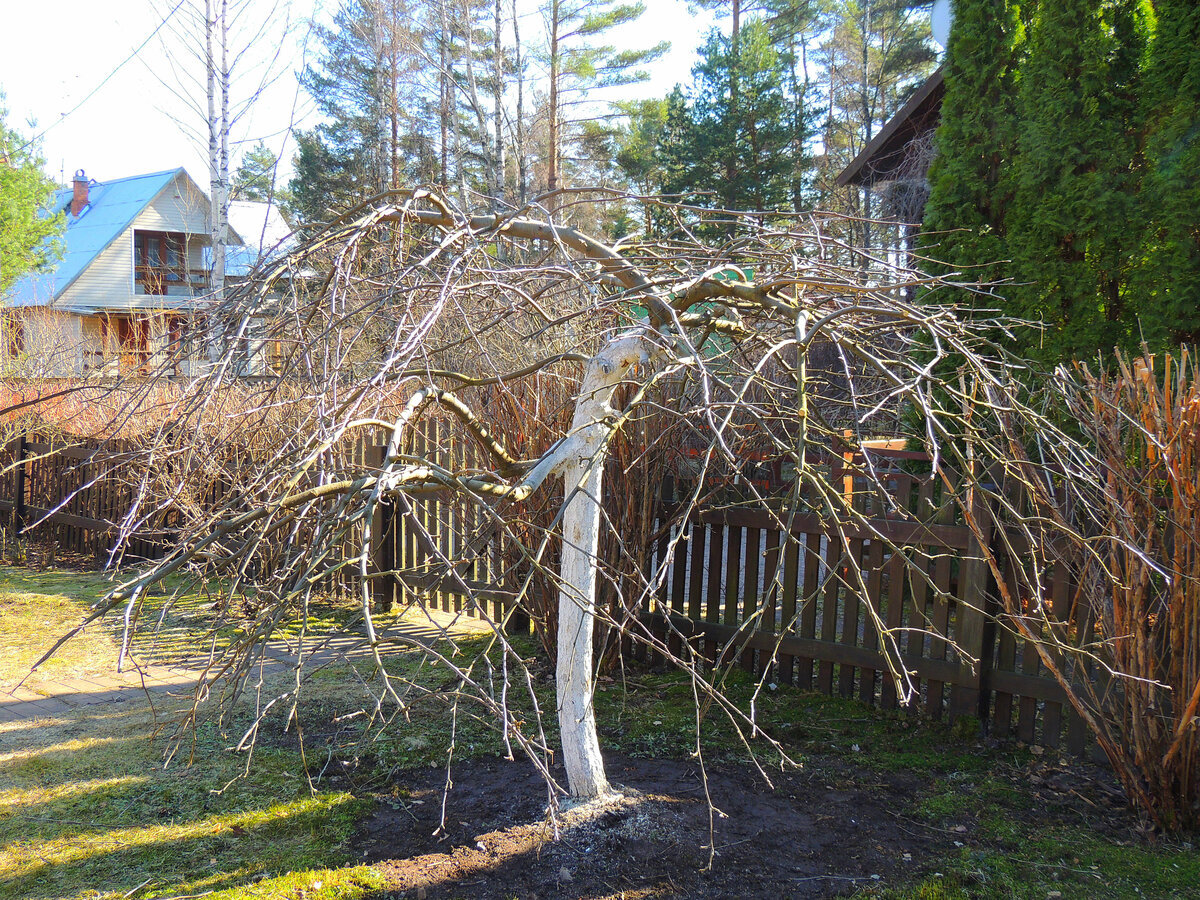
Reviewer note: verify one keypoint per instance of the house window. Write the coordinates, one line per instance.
(159, 261)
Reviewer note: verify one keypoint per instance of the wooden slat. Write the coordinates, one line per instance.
(868, 678)
(896, 530)
(750, 596)
(34, 513)
(939, 619)
(732, 573)
(1036, 687)
(809, 603)
(1060, 593)
(679, 572)
(695, 602)
(712, 606)
(829, 611)
(971, 632)
(850, 615)
(835, 651)
(897, 565)
(1077, 730)
(787, 600)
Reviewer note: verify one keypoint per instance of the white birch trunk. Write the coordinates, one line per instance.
(582, 471)
(216, 27)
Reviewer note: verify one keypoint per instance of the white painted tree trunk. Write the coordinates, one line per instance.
(582, 470)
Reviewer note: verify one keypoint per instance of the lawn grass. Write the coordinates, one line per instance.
(37, 607)
(87, 809)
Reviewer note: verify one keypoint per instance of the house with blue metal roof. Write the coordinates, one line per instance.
(136, 267)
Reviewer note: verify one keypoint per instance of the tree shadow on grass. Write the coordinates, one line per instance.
(104, 814)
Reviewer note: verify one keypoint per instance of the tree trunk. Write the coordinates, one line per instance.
(498, 104)
(582, 470)
(394, 100)
(522, 170)
(552, 151)
(217, 80)
(444, 98)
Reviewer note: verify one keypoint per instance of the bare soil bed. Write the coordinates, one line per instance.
(818, 834)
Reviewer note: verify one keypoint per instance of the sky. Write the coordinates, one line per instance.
(106, 96)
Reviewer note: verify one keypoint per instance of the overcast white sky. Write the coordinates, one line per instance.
(55, 53)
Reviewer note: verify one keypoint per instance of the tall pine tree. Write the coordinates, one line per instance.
(371, 135)
(729, 149)
(578, 63)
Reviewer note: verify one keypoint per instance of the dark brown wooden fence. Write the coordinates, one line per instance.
(415, 538)
(772, 592)
(71, 493)
(777, 594)
(79, 493)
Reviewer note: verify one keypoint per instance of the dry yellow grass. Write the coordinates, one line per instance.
(36, 608)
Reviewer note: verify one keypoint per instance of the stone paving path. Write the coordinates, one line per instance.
(57, 695)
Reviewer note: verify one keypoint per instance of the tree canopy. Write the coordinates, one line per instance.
(256, 177)
(735, 148)
(28, 234)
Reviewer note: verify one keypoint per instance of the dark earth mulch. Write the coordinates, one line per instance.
(818, 834)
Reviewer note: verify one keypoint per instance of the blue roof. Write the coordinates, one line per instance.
(264, 232)
(112, 207)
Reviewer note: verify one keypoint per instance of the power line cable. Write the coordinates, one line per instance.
(107, 78)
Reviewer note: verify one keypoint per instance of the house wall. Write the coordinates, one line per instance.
(178, 208)
(107, 284)
(61, 343)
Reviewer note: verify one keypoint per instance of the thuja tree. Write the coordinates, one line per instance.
(409, 309)
(1077, 112)
(1168, 274)
(970, 180)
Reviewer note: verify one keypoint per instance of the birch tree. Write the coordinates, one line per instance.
(228, 52)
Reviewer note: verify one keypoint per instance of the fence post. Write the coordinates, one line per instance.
(379, 566)
(19, 498)
(970, 697)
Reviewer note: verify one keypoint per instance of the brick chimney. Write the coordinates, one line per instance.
(80, 199)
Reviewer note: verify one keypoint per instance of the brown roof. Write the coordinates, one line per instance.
(886, 151)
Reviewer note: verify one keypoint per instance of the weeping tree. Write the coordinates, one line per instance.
(551, 355)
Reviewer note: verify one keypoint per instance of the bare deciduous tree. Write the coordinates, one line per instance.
(421, 311)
